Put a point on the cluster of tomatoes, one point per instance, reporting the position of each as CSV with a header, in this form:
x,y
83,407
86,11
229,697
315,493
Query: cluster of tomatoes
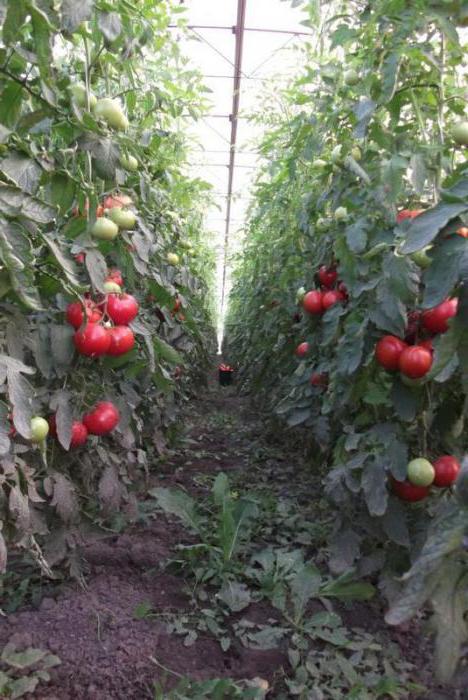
x,y
225,368
102,326
102,419
414,359
332,291
422,474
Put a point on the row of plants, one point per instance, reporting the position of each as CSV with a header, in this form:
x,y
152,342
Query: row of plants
x,y
106,325
349,311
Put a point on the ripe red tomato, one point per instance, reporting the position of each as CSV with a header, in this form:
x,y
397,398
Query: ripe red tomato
x,y
102,419
312,302
122,340
79,434
415,361
122,308
319,379
74,313
80,258
428,344
302,349
463,232
447,469
435,319
388,351
408,214
93,340
343,289
327,276
117,200
331,298
115,276
177,305
408,492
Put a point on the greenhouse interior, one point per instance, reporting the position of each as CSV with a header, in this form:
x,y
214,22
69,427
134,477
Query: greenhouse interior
x,y
234,349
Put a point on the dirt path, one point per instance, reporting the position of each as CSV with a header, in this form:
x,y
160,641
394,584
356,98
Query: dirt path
x,y
108,647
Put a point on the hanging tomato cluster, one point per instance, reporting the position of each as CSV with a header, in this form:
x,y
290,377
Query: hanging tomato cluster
x,y
412,357
317,301
95,335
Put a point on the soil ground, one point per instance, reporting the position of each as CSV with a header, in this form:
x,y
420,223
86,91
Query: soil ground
x,y
106,651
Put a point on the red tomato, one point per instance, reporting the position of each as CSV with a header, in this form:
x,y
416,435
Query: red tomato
x,y
388,351
447,469
302,349
102,419
117,200
177,305
343,290
312,302
415,361
428,344
463,231
99,211
327,276
331,298
93,340
74,313
79,434
115,276
319,379
408,492
122,308
80,258
435,319
408,214
122,340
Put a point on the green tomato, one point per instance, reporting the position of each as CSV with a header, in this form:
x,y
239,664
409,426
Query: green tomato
x,y
341,214
172,258
421,472
112,287
111,111
337,154
356,153
351,77
129,162
104,229
460,133
421,258
319,163
39,429
322,224
300,294
124,218
78,92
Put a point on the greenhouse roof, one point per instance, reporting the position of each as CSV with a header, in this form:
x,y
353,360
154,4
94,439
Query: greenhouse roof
x,y
252,38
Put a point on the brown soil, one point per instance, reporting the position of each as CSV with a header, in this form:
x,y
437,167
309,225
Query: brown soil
x,y
108,654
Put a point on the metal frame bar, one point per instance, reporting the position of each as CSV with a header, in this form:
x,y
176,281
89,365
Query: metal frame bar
x,y
245,29
239,34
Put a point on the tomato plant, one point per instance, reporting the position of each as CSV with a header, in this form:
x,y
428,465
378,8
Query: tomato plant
x,y
367,169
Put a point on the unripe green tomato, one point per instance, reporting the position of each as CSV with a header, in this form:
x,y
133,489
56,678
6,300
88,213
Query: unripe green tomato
x,y
78,92
39,429
104,229
356,153
112,287
421,472
341,214
319,163
185,244
300,294
322,224
460,133
124,218
337,154
421,258
129,162
351,77
111,111
172,259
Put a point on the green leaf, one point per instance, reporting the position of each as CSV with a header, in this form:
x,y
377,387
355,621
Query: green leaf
x,y
235,595
442,275
15,17
450,604
23,171
424,228
110,25
180,504
74,13
166,351
61,191
304,585
373,482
